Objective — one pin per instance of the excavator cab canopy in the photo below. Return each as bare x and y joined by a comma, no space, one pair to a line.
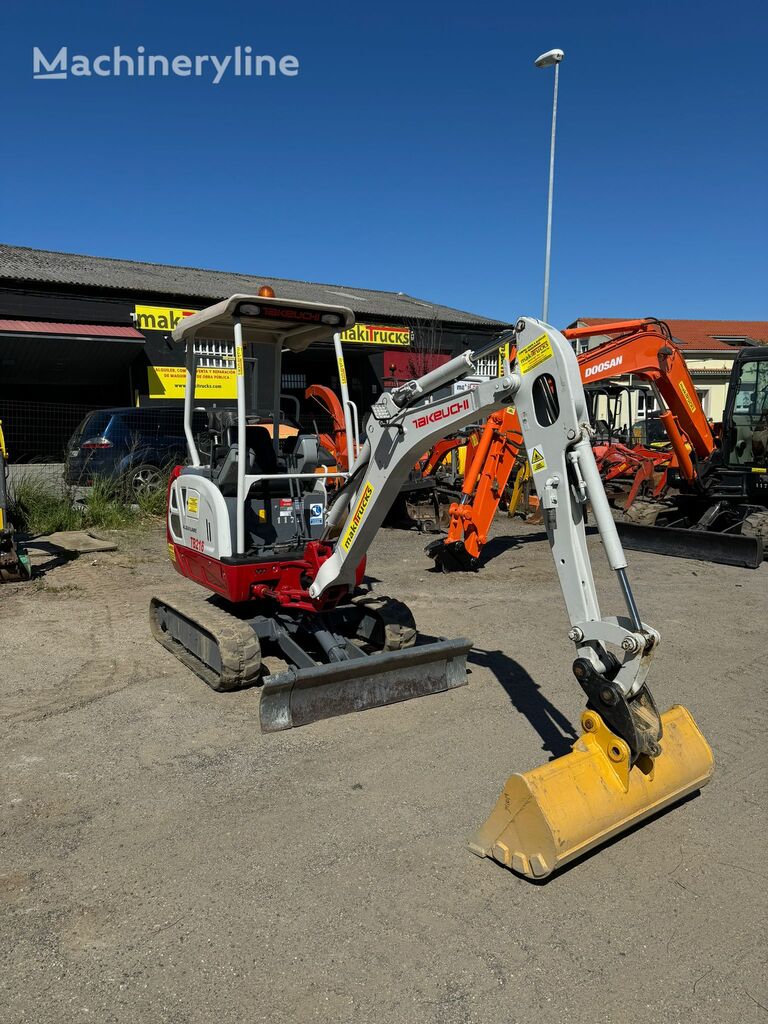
253,332
292,324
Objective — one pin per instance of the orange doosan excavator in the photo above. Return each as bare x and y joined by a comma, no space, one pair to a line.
643,349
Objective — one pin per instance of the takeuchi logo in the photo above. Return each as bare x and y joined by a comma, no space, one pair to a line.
444,413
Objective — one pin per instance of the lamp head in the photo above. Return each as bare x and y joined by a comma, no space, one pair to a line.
549,58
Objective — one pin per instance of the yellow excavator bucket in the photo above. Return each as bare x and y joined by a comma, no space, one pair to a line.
555,813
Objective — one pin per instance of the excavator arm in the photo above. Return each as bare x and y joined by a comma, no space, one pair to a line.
613,654
631,761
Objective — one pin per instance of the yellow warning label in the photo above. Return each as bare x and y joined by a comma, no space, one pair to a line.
535,354
171,552
537,460
686,395
758,469
357,518
342,370
503,354
192,504
239,360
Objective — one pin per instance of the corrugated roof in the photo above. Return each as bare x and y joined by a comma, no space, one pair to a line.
703,335
41,265
79,330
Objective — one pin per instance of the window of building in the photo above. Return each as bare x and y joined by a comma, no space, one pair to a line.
646,405
487,367
219,354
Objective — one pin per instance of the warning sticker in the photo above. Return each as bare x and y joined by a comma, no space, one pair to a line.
316,514
171,552
357,518
239,360
687,396
342,370
535,354
503,354
537,460
192,504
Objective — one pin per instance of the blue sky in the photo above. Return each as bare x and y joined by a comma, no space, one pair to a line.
411,151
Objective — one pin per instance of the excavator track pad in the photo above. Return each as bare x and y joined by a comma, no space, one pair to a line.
555,813
220,648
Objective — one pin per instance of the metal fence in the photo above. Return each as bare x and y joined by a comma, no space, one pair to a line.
37,436
45,444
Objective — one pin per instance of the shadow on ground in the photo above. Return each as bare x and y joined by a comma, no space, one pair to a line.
556,732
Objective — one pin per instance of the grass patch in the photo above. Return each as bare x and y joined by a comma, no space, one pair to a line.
38,508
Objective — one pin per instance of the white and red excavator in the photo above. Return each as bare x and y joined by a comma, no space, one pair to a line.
255,523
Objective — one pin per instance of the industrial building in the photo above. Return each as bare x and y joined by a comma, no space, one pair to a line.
80,332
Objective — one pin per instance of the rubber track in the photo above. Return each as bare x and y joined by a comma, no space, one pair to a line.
397,618
237,643
756,525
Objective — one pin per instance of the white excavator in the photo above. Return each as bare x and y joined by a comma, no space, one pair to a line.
255,522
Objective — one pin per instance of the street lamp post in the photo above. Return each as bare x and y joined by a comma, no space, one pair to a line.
544,61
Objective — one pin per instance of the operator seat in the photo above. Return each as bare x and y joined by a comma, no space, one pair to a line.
261,458
225,477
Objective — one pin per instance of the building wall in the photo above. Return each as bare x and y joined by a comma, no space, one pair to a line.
56,380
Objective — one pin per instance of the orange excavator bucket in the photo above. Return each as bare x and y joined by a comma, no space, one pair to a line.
553,814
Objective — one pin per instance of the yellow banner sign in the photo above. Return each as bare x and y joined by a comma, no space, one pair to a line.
159,318
210,382
369,334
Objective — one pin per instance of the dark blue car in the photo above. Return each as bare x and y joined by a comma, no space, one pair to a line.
132,447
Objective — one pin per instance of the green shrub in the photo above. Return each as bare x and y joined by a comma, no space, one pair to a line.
37,507
34,507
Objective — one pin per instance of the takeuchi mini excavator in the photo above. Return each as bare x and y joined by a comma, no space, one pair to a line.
255,527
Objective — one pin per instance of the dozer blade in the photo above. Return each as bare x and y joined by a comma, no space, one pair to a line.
557,812
706,545
300,696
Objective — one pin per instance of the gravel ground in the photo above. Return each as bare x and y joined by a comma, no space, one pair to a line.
161,860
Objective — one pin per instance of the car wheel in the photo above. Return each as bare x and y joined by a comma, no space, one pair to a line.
142,480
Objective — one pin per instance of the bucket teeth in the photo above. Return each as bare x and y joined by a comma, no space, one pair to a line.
557,812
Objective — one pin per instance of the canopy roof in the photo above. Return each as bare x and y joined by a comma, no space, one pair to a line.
290,323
